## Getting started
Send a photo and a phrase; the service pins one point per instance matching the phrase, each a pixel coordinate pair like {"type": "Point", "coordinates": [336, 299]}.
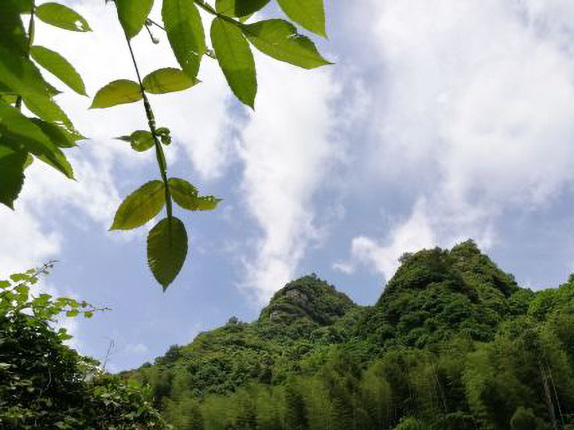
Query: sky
{"type": "Point", "coordinates": [441, 120]}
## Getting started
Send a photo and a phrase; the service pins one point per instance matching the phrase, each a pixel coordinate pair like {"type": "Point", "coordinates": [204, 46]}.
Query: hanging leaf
{"type": "Point", "coordinates": [140, 140]}
{"type": "Point", "coordinates": [59, 67]}
{"type": "Point", "coordinates": [29, 161]}
{"type": "Point", "coordinates": [48, 110]}
{"type": "Point", "coordinates": [133, 14]}
{"type": "Point", "coordinates": [12, 164]}
{"type": "Point", "coordinates": [24, 6]}
{"type": "Point", "coordinates": [207, 203]}
{"type": "Point", "coordinates": [239, 8]}
{"type": "Point", "coordinates": [140, 206]}
{"type": "Point", "coordinates": [185, 33]}
{"type": "Point", "coordinates": [11, 27]}
{"type": "Point", "coordinates": [182, 192]}
{"type": "Point", "coordinates": [279, 39]}
{"type": "Point", "coordinates": [60, 136]}
{"type": "Point", "coordinates": [167, 250]}
{"type": "Point", "coordinates": [310, 14]}
{"type": "Point", "coordinates": [185, 195]}
{"type": "Point", "coordinates": [21, 132]}
{"type": "Point", "coordinates": [167, 80]}
{"type": "Point", "coordinates": [235, 59]}
{"type": "Point", "coordinates": [20, 76]}
{"type": "Point", "coordinates": [62, 16]}
{"type": "Point", "coordinates": [116, 93]}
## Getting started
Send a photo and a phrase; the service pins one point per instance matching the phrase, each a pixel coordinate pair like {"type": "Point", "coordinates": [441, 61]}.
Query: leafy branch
{"type": "Point", "coordinates": [43, 136]}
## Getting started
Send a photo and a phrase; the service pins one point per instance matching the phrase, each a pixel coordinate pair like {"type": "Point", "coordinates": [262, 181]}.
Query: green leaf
{"type": "Point", "coordinates": [116, 93]}
{"type": "Point", "coordinates": [18, 75]}
{"type": "Point", "coordinates": [12, 168]}
{"type": "Point", "coordinates": [29, 161]}
{"type": "Point", "coordinates": [167, 250]}
{"type": "Point", "coordinates": [182, 192]}
{"type": "Point", "coordinates": [235, 59]}
{"type": "Point", "coordinates": [310, 14]}
{"type": "Point", "coordinates": [207, 203]}
{"type": "Point", "coordinates": [186, 196]}
{"type": "Point", "coordinates": [140, 140]}
{"type": "Point", "coordinates": [185, 33]}
{"type": "Point", "coordinates": [47, 109]}
{"type": "Point", "coordinates": [167, 80]}
{"type": "Point", "coordinates": [62, 16]}
{"type": "Point", "coordinates": [164, 135]}
{"type": "Point", "coordinates": [59, 67]}
{"type": "Point", "coordinates": [11, 27]}
{"type": "Point", "coordinates": [133, 14]}
{"type": "Point", "coordinates": [279, 39]}
{"type": "Point", "coordinates": [239, 8]}
{"type": "Point", "coordinates": [140, 206]}
{"type": "Point", "coordinates": [22, 134]}
{"type": "Point", "coordinates": [60, 136]}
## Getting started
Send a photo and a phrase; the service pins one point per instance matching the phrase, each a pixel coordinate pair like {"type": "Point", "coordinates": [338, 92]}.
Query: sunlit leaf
{"type": "Point", "coordinates": [59, 67]}
{"type": "Point", "coordinates": [11, 27]}
{"type": "Point", "coordinates": [133, 14]}
{"type": "Point", "coordinates": [116, 93]}
{"type": "Point", "coordinates": [21, 131]}
{"type": "Point", "coordinates": [62, 16]}
{"type": "Point", "coordinates": [235, 59]}
{"type": "Point", "coordinates": [20, 76]}
{"type": "Point", "coordinates": [60, 136]}
{"type": "Point", "coordinates": [140, 140]}
{"type": "Point", "coordinates": [47, 109]}
{"type": "Point", "coordinates": [140, 206]}
{"type": "Point", "coordinates": [239, 8]}
{"type": "Point", "coordinates": [279, 39]}
{"type": "Point", "coordinates": [12, 164]}
{"type": "Point", "coordinates": [186, 196]}
{"type": "Point", "coordinates": [167, 250]}
{"type": "Point", "coordinates": [167, 80]}
{"type": "Point", "coordinates": [185, 33]}
{"type": "Point", "coordinates": [310, 14]}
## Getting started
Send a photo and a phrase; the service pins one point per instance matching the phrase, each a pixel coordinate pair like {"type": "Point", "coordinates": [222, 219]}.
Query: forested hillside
{"type": "Point", "coordinates": [452, 343]}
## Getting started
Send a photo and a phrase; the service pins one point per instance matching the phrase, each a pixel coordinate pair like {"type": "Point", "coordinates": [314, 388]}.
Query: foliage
{"type": "Point", "coordinates": [44, 383]}
{"type": "Point", "coordinates": [23, 137]}
{"type": "Point", "coordinates": [452, 344]}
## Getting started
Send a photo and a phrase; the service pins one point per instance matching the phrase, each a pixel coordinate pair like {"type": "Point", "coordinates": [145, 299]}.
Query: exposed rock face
{"type": "Point", "coordinates": [275, 315]}
{"type": "Point", "coordinates": [297, 296]}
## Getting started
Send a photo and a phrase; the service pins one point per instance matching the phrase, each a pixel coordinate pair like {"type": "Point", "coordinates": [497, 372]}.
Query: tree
{"type": "Point", "coordinates": [46, 384]}
{"type": "Point", "coordinates": [48, 131]}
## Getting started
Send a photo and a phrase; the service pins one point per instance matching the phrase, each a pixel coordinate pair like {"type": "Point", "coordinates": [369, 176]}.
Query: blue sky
{"type": "Point", "coordinates": [441, 120]}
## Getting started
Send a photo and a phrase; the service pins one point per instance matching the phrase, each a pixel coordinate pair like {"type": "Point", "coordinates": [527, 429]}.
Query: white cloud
{"type": "Point", "coordinates": [474, 116]}
{"type": "Point", "coordinates": [287, 148]}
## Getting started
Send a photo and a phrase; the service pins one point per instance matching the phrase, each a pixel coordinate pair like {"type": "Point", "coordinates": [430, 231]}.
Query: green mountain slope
{"type": "Point", "coordinates": [452, 343]}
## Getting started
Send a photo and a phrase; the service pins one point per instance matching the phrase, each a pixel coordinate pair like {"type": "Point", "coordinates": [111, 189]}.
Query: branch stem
{"type": "Point", "coordinates": [152, 127]}
{"type": "Point", "coordinates": [31, 31]}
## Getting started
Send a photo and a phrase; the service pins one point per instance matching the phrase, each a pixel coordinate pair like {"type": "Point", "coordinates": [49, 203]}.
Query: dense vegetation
{"type": "Point", "coordinates": [453, 343]}
{"type": "Point", "coordinates": [44, 384]}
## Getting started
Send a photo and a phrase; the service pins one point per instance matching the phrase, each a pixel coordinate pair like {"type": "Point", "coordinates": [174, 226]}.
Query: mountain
{"type": "Point", "coordinates": [452, 343]}
{"type": "Point", "coordinates": [437, 294]}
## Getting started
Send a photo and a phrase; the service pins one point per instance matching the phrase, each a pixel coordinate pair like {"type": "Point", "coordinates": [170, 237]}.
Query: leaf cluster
{"type": "Point", "coordinates": [46, 129]}
{"type": "Point", "coordinates": [46, 384]}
